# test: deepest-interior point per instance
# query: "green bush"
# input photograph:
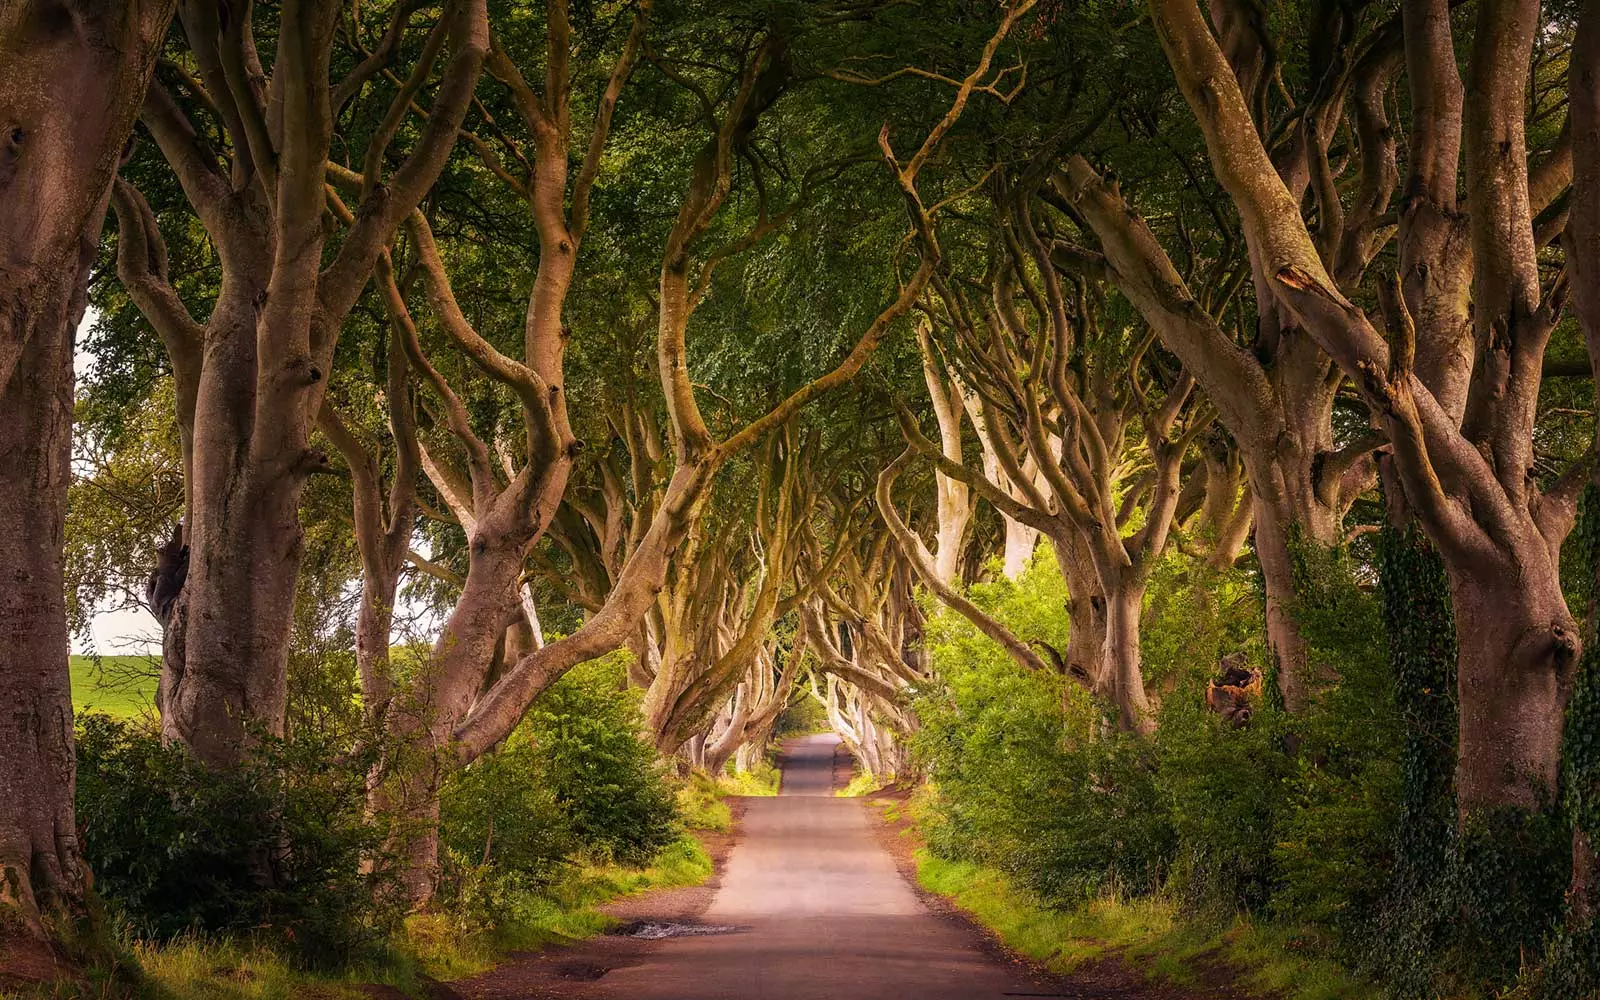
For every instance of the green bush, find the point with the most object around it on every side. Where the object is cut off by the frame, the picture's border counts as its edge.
(1025, 784)
(595, 763)
(275, 846)
(574, 780)
(1337, 823)
(802, 716)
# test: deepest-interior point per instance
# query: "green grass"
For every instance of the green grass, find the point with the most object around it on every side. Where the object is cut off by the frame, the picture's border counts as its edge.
(762, 780)
(863, 783)
(116, 685)
(566, 912)
(1148, 933)
(432, 945)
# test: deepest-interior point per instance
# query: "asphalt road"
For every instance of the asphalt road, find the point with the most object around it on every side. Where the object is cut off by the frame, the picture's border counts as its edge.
(820, 912)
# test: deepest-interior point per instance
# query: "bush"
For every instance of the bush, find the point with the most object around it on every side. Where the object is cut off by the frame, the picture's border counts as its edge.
(596, 764)
(802, 716)
(274, 846)
(574, 780)
(1024, 785)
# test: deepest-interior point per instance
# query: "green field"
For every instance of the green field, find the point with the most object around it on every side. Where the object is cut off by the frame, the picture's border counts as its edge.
(116, 685)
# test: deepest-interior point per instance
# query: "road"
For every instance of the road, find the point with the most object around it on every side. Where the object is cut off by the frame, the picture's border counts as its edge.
(820, 912)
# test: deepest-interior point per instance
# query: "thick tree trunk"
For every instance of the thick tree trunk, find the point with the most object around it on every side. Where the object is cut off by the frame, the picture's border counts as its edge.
(422, 717)
(41, 871)
(1017, 550)
(1086, 609)
(1287, 514)
(1516, 646)
(70, 86)
(244, 560)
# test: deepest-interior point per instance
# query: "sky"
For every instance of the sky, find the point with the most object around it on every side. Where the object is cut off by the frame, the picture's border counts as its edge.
(122, 631)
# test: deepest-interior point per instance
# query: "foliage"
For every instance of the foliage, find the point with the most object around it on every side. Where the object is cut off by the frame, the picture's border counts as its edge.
(761, 780)
(1337, 826)
(575, 781)
(803, 716)
(1024, 786)
(1147, 932)
(274, 847)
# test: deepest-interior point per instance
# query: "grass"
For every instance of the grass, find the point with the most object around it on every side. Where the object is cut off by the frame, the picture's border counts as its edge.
(762, 780)
(1150, 934)
(863, 783)
(566, 912)
(123, 686)
(431, 945)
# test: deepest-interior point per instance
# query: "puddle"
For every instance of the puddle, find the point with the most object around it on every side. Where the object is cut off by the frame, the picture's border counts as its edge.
(656, 930)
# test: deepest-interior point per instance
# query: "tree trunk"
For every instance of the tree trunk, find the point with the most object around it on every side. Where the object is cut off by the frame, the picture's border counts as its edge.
(70, 87)
(1284, 518)
(41, 871)
(1086, 609)
(1018, 549)
(374, 623)
(1516, 646)
(1121, 679)
(244, 560)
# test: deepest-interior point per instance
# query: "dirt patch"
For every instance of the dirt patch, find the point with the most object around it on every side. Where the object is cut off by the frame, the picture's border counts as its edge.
(559, 971)
(432, 989)
(1104, 979)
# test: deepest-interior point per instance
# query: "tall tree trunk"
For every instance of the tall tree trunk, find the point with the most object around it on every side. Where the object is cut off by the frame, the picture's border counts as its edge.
(1285, 518)
(954, 508)
(70, 86)
(1086, 606)
(40, 864)
(245, 542)
(1121, 679)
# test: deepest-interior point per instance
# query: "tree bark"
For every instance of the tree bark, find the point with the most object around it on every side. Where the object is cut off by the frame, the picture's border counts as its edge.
(1121, 679)
(70, 83)
(255, 373)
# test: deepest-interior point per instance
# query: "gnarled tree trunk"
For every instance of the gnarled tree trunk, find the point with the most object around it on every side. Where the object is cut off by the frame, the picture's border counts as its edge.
(70, 84)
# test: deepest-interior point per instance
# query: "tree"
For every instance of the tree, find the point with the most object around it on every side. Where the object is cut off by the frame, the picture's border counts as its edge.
(252, 376)
(1465, 474)
(70, 82)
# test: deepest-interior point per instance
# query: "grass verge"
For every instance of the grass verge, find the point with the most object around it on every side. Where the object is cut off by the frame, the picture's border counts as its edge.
(862, 784)
(1150, 934)
(431, 946)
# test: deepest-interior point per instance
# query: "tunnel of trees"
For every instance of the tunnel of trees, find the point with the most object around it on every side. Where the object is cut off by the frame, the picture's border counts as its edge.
(1163, 435)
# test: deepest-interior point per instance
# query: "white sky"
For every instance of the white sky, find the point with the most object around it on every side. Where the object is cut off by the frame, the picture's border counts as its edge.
(114, 632)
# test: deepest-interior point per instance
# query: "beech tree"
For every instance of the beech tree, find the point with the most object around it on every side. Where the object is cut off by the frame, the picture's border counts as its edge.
(251, 377)
(1465, 469)
(70, 82)
(1090, 435)
(465, 701)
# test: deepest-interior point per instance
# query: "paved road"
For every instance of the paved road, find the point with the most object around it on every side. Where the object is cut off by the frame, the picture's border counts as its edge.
(822, 914)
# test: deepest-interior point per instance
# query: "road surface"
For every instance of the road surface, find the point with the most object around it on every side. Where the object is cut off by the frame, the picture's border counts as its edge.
(821, 914)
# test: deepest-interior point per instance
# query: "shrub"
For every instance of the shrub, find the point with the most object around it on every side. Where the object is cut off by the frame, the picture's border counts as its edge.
(575, 779)
(593, 760)
(1026, 784)
(274, 846)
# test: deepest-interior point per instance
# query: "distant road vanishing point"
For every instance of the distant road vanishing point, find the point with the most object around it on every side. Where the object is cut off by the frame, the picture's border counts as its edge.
(821, 914)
